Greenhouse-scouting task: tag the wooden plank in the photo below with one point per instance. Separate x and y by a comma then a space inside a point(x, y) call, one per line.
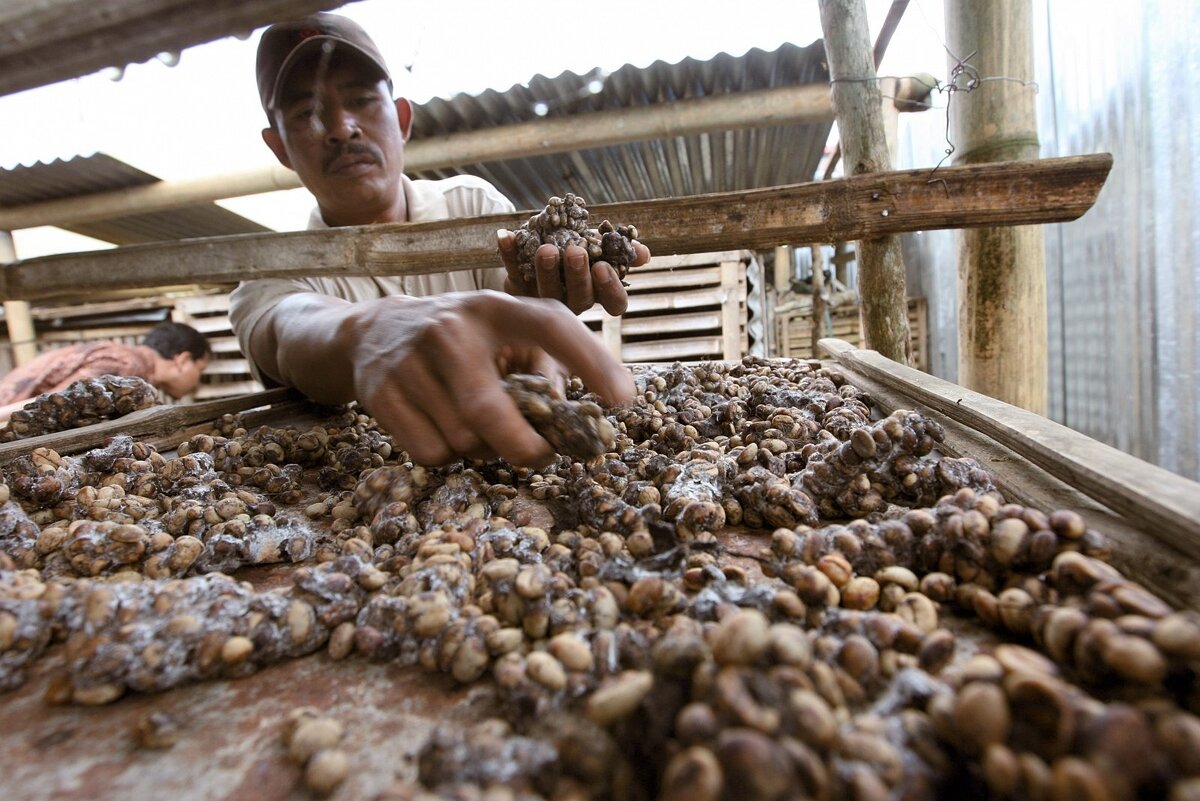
point(227, 367)
point(683, 260)
point(1015, 193)
point(1166, 503)
point(225, 390)
point(152, 422)
point(669, 324)
point(45, 41)
point(92, 334)
point(640, 281)
point(1139, 554)
point(101, 307)
point(203, 304)
point(210, 325)
point(671, 349)
point(223, 345)
point(663, 301)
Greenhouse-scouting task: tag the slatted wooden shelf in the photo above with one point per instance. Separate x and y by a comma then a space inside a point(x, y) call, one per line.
point(680, 308)
point(228, 371)
point(794, 331)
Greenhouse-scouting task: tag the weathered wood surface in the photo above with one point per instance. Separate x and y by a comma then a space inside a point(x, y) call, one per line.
point(1152, 499)
point(159, 422)
point(44, 41)
point(857, 103)
point(1016, 193)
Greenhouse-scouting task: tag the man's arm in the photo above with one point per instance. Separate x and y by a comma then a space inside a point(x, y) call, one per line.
point(429, 369)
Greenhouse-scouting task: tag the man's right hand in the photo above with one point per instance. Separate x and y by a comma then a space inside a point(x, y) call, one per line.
point(429, 370)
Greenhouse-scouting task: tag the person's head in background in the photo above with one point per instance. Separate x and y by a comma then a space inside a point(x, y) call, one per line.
point(327, 93)
point(183, 353)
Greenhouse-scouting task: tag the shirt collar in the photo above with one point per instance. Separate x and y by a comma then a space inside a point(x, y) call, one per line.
point(422, 205)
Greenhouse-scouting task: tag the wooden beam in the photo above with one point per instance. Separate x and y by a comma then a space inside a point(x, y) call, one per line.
point(1003, 345)
point(856, 103)
point(157, 421)
point(45, 41)
point(866, 206)
point(1157, 498)
point(782, 105)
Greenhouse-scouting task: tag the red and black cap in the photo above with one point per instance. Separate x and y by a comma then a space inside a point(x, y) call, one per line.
point(286, 44)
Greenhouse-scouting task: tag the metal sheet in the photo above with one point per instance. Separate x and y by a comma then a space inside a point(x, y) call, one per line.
point(1124, 280)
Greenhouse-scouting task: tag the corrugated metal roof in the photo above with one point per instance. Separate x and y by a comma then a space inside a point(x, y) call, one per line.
point(99, 172)
point(669, 167)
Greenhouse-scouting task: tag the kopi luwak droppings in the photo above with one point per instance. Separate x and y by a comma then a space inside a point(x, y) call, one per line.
point(564, 222)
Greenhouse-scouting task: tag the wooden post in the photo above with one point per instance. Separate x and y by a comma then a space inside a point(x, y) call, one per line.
point(1002, 338)
point(856, 104)
point(17, 314)
point(818, 297)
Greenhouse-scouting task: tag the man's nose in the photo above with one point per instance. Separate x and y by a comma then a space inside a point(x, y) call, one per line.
point(340, 124)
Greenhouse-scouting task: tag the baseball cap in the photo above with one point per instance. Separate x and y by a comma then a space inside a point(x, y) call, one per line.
point(286, 44)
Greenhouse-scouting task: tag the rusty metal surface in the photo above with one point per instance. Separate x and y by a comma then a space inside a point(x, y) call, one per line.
point(229, 747)
point(230, 744)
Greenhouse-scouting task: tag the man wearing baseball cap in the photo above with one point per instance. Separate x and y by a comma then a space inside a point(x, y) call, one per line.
point(423, 354)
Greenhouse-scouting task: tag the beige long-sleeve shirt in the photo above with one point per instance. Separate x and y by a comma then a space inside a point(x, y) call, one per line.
point(451, 198)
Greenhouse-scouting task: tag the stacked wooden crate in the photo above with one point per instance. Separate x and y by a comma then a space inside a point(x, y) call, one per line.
point(228, 371)
point(686, 308)
point(793, 329)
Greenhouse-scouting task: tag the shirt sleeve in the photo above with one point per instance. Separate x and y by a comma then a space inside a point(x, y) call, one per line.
point(248, 304)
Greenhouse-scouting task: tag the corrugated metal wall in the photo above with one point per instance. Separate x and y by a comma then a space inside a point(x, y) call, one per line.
point(1123, 281)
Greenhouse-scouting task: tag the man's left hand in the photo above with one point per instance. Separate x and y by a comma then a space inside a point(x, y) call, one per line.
point(575, 284)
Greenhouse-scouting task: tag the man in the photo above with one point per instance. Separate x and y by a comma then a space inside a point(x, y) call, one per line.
point(171, 357)
point(424, 354)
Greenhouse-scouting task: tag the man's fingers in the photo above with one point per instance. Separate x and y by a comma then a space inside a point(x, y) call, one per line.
point(508, 249)
point(465, 353)
point(609, 290)
point(425, 392)
point(643, 254)
point(545, 266)
point(580, 297)
point(552, 327)
point(414, 432)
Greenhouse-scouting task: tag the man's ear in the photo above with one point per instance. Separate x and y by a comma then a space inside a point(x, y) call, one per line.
point(275, 142)
point(404, 111)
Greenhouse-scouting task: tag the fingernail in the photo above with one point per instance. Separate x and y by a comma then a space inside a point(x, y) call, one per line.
point(504, 239)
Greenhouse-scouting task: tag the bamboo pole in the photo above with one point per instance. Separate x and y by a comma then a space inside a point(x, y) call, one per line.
point(856, 104)
point(864, 206)
point(18, 316)
point(1002, 337)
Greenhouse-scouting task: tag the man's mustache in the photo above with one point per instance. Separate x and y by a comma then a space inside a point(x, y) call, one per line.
point(356, 148)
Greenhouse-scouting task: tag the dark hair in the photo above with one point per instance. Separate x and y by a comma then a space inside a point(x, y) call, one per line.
point(170, 339)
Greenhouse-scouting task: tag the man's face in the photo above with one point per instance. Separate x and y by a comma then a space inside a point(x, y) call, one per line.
point(338, 128)
point(182, 376)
